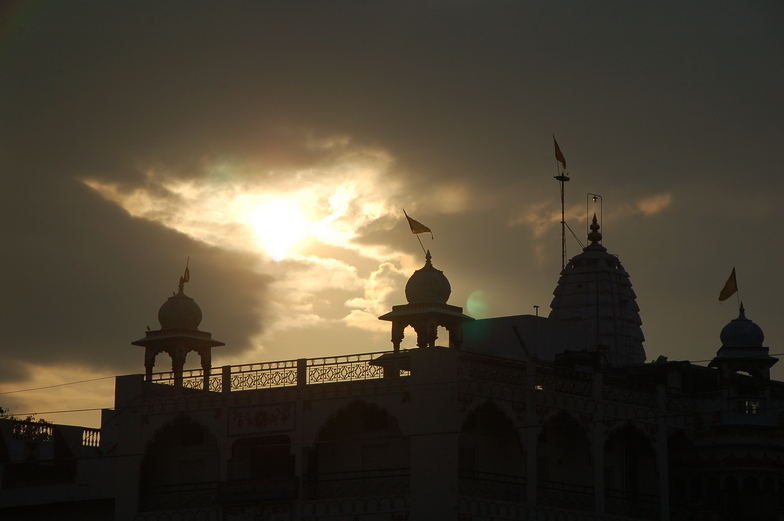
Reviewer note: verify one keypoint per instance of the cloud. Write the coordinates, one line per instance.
(346, 192)
(654, 204)
(379, 290)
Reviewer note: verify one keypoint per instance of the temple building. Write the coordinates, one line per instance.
(509, 418)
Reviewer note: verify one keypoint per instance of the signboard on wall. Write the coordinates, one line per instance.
(259, 419)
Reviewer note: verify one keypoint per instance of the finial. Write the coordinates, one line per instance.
(428, 257)
(742, 311)
(594, 236)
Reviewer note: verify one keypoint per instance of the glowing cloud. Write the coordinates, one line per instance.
(654, 204)
(346, 191)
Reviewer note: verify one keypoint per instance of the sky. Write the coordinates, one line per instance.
(274, 145)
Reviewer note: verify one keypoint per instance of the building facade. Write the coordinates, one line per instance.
(511, 418)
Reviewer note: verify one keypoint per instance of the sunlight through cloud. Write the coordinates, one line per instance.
(279, 226)
(309, 219)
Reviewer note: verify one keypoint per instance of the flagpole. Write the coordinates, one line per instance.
(562, 177)
(422, 245)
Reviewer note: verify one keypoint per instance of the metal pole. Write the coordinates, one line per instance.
(563, 178)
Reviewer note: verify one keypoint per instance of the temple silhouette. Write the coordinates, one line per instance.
(509, 418)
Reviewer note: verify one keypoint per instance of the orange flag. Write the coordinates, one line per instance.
(730, 287)
(416, 226)
(558, 155)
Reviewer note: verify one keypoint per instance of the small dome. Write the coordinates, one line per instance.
(179, 311)
(428, 285)
(742, 332)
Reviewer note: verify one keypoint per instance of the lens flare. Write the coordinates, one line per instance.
(279, 226)
(477, 304)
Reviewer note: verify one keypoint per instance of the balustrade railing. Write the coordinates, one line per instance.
(361, 483)
(91, 437)
(32, 431)
(263, 375)
(642, 506)
(488, 485)
(169, 497)
(576, 497)
(286, 373)
(343, 368)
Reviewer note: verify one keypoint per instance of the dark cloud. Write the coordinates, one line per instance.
(81, 279)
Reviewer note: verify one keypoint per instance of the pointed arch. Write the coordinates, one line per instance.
(565, 465)
(631, 479)
(491, 456)
(359, 451)
(181, 458)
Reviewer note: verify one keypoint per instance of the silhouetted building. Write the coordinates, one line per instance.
(513, 418)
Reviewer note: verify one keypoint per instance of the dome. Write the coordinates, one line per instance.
(428, 284)
(179, 311)
(742, 332)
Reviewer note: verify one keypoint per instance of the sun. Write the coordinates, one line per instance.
(279, 226)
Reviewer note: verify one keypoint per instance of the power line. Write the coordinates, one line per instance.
(58, 385)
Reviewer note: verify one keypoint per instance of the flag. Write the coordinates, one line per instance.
(558, 155)
(416, 226)
(730, 287)
(186, 276)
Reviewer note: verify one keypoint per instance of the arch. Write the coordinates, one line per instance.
(491, 457)
(261, 457)
(751, 497)
(359, 452)
(631, 480)
(680, 454)
(565, 465)
(182, 456)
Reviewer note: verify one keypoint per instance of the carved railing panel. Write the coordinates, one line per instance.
(286, 373)
(265, 375)
(492, 486)
(562, 380)
(629, 391)
(343, 368)
(494, 372)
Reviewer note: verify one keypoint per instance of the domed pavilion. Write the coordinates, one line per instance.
(179, 334)
(427, 293)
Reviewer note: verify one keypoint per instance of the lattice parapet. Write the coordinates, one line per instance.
(286, 373)
(264, 375)
(562, 380)
(343, 368)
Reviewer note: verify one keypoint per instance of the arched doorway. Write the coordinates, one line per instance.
(564, 465)
(631, 481)
(491, 457)
(359, 452)
(181, 468)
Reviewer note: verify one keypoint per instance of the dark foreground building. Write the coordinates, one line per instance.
(512, 418)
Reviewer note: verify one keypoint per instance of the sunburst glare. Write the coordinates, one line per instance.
(279, 226)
